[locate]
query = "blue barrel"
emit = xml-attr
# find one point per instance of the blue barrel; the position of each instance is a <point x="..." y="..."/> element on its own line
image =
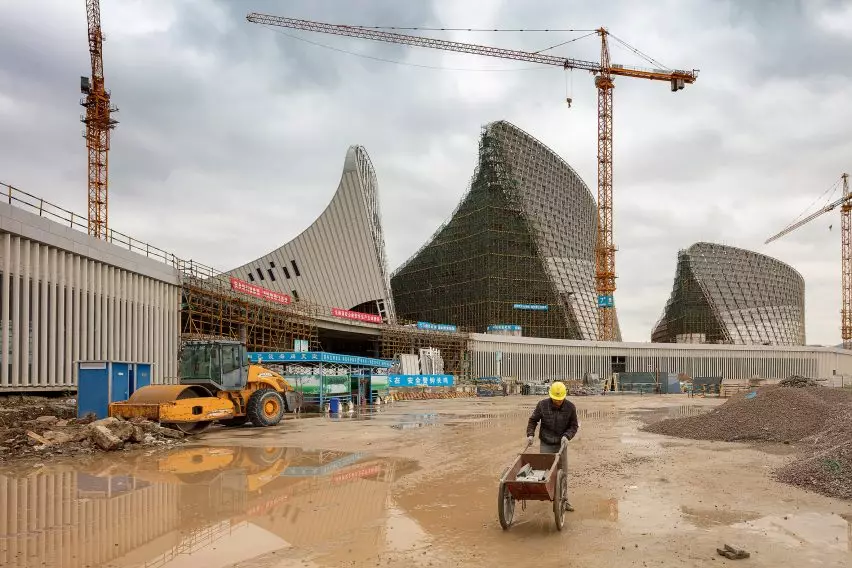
<point x="334" y="405"/>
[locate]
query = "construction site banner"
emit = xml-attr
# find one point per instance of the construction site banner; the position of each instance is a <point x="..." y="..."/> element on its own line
<point x="349" y="314"/>
<point x="421" y="380"/>
<point x="244" y="287"/>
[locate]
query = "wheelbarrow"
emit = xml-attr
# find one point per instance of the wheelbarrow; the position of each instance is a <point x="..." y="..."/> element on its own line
<point x="533" y="477"/>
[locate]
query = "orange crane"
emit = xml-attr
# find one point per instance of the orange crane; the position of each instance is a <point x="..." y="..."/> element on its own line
<point x="604" y="72"/>
<point x="845" y="203"/>
<point x="99" y="122"/>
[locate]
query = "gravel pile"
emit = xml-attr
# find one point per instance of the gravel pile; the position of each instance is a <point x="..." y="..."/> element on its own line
<point x="825" y="465"/>
<point x="773" y="414"/>
<point x="797" y="381"/>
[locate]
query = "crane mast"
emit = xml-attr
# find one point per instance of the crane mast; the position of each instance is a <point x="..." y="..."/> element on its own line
<point x="845" y="203"/>
<point x="99" y="122"/>
<point x="846" y="265"/>
<point x="604" y="244"/>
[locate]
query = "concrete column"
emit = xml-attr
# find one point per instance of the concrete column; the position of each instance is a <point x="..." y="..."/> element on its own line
<point x="36" y="308"/>
<point x="15" y="273"/>
<point x="77" y="278"/>
<point x="45" y="316"/>
<point x="95" y="321"/>
<point x="121" y="300"/>
<point x="61" y="322"/>
<point x="54" y="322"/>
<point x="68" y="329"/>
<point x="160" y="336"/>
<point x="26" y="257"/>
<point x="7" y="295"/>
<point x="133" y="314"/>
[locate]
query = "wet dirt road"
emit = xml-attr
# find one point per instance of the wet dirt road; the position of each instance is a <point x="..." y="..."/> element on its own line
<point x="415" y="484"/>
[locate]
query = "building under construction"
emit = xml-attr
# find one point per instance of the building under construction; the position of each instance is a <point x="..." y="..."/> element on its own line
<point x="519" y="250"/>
<point x="724" y="294"/>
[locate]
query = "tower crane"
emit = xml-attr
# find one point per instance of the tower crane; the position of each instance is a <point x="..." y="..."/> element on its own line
<point x="99" y="122"/>
<point x="845" y="203"/>
<point x="604" y="72"/>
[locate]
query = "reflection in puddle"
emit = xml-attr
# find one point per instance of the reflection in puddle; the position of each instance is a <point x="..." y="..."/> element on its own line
<point x="201" y="506"/>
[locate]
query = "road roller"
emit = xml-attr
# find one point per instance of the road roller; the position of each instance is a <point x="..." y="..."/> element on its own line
<point x="217" y="384"/>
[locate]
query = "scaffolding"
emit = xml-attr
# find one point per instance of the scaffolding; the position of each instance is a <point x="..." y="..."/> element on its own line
<point x="518" y="249"/>
<point x="724" y="294"/>
<point x="211" y="309"/>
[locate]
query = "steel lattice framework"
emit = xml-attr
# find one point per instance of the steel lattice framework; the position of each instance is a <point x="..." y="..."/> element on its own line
<point x="723" y="294"/>
<point x="524" y="233"/>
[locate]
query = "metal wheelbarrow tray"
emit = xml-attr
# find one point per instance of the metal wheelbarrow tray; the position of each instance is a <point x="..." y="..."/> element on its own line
<point x="513" y="489"/>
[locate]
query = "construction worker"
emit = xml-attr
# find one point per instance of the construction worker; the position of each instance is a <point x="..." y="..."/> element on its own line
<point x="558" y="418"/>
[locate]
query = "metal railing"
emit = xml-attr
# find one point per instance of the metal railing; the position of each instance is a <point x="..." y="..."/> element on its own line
<point x="29" y="202"/>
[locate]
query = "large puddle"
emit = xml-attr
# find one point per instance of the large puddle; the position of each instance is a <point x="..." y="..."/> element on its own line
<point x="207" y="507"/>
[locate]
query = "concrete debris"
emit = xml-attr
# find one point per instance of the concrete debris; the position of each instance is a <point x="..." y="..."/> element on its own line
<point x="104" y="438"/>
<point x="37" y="433"/>
<point x="732" y="553"/>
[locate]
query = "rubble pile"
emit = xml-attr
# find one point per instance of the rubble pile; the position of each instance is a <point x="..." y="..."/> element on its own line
<point x="797" y="381"/>
<point x="772" y="414"/>
<point x="825" y="464"/>
<point x="51" y="435"/>
<point x="17" y="409"/>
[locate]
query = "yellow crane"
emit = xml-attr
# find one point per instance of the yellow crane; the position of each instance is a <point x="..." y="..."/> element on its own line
<point x="845" y="203"/>
<point x="604" y="72"/>
<point x="99" y="122"/>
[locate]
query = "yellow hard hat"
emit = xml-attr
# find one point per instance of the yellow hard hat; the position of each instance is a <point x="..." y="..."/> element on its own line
<point x="558" y="391"/>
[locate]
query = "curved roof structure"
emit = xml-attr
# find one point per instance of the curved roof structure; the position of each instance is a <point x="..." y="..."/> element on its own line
<point x="518" y="250"/>
<point x="724" y="294"/>
<point x="339" y="261"/>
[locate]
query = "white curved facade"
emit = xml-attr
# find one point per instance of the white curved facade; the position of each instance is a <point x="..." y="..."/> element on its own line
<point x="339" y="261"/>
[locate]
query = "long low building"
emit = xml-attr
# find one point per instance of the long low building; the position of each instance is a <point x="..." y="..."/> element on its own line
<point x="537" y="359"/>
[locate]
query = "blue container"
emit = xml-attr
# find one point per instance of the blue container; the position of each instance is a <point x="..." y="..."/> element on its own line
<point x="102" y="382"/>
<point x="334" y="405"/>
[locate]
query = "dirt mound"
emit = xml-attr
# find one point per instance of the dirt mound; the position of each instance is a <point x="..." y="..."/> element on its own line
<point x="825" y="465"/>
<point x="773" y="413"/>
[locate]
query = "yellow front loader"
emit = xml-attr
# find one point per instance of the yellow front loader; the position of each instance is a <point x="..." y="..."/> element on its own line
<point x="217" y="384"/>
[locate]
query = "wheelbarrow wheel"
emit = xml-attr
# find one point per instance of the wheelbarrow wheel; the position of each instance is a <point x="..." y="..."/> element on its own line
<point x="561" y="494"/>
<point x="505" y="507"/>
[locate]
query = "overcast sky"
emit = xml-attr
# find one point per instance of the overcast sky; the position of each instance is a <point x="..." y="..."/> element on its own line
<point x="232" y="135"/>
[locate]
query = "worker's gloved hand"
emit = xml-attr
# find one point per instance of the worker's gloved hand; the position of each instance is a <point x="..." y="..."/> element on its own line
<point x="566" y="439"/>
<point x="529" y="440"/>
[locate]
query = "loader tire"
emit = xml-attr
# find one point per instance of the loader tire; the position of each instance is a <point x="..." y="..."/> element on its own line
<point x="265" y="407"/>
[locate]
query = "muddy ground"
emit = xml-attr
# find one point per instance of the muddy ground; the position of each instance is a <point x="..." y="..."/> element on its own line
<point x="415" y="484"/>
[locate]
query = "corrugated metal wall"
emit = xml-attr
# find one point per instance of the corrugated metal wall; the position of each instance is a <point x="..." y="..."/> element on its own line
<point x="58" y="307"/>
<point x="531" y="359"/>
<point x="44" y="521"/>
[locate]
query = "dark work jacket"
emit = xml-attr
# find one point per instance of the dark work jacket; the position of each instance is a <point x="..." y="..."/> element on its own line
<point x="555" y="422"/>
